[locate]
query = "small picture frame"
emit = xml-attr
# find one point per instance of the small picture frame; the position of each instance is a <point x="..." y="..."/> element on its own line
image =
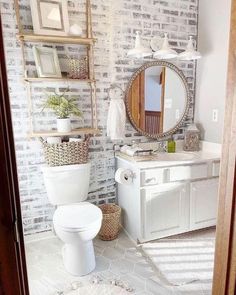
<point x="47" y="63"/>
<point x="50" y="17"/>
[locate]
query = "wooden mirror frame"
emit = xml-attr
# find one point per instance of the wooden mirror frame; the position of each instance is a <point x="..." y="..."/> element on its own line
<point x="187" y="98"/>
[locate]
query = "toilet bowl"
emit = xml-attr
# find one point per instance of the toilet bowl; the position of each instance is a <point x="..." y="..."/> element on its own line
<point x="75" y="221"/>
<point x="77" y="225"/>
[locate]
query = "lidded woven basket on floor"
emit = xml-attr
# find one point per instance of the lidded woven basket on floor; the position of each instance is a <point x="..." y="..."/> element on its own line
<point x="110" y="223"/>
<point x="66" y="153"/>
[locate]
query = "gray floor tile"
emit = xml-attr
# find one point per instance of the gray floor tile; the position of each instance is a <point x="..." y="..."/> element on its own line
<point x="117" y="260"/>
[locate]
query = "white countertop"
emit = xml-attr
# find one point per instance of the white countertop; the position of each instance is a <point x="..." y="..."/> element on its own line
<point x="208" y="152"/>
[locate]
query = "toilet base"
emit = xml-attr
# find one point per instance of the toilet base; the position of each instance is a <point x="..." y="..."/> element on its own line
<point x="79" y="259"/>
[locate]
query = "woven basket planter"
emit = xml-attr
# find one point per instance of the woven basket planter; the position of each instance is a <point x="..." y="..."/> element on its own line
<point x="110" y="223"/>
<point x="66" y="153"/>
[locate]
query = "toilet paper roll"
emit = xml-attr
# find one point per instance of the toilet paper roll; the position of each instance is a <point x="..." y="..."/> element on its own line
<point x="53" y="140"/>
<point x="124" y="176"/>
<point x="72" y="139"/>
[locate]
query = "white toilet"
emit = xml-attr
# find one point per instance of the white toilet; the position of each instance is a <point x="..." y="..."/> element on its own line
<point x="75" y="222"/>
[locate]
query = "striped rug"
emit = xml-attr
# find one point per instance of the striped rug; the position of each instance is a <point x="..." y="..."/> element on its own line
<point x="182" y="260"/>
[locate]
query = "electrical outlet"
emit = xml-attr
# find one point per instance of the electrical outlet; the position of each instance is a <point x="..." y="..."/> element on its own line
<point x="215" y="115"/>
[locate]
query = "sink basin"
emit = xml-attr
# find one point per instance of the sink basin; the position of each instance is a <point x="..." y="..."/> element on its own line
<point x="166" y="157"/>
<point x="181" y="156"/>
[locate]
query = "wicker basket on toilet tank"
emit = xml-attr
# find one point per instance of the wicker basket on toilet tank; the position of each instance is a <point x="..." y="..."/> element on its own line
<point x="110" y="222"/>
<point x="66" y="153"/>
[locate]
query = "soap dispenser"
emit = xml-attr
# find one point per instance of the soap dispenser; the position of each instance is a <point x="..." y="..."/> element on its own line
<point x="171" y="145"/>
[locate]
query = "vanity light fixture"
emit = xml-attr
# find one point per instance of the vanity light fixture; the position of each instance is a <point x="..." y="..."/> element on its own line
<point x="165" y="52"/>
<point x="190" y="53"/>
<point x="139" y="51"/>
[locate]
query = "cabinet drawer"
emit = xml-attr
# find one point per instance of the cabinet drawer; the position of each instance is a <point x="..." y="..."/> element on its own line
<point x="216" y="168"/>
<point x="188" y="172"/>
<point x="153" y="177"/>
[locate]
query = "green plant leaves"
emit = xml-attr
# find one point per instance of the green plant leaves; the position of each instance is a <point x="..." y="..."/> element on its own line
<point x="62" y="106"/>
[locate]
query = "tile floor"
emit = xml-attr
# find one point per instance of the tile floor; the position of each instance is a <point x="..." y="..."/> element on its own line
<point x="118" y="259"/>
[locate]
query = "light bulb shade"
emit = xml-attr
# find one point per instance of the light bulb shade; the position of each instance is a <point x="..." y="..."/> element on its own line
<point x="139" y="51"/>
<point x="190" y="53"/>
<point x="165" y="52"/>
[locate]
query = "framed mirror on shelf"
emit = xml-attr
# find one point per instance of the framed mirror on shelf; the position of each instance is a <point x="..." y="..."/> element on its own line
<point x="47" y="62"/>
<point x="157" y="99"/>
<point x="50" y="17"/>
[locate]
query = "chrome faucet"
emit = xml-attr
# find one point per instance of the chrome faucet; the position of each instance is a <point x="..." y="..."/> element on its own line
<point x="162" y="147"/>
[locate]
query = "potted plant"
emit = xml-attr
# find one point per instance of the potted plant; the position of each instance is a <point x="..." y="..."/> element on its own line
<point x="63" y="107"/>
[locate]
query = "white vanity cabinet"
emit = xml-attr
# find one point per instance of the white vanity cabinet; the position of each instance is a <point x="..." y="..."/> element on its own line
<point x="165" y="210"/>
<point x="168" y="200"/>
<point x="203" y="205"/>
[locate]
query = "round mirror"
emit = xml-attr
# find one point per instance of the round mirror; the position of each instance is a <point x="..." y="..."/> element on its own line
<point x="157" y="99"/>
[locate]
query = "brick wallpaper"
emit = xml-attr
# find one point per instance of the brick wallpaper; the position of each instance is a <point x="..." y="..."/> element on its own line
<point x="115" y="23"/>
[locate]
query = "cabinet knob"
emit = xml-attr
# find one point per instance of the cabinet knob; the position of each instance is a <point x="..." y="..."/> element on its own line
<point x="148" y="180"/>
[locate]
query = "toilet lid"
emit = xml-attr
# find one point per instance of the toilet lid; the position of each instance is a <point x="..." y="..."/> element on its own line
<point x="77" y="216"/>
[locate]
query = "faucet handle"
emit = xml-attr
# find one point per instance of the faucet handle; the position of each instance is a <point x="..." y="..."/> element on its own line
<point x="135" y="142"/>
<point x="162" y="146"/>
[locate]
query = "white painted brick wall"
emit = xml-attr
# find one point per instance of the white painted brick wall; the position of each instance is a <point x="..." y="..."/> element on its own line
<point x="115" y="23"/>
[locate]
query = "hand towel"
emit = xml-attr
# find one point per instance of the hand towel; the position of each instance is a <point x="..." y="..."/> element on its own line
<point x="130" y="151"/>
<point x="116" y="119"/>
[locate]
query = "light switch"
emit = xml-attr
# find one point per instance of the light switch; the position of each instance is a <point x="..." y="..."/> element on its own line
<point x="215" y="115"/>
<point x="168" y="103"/>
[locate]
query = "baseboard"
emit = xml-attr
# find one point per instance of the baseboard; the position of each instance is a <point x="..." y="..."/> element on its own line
<point x="39" y="236"/>
<point x="132" y="240"/>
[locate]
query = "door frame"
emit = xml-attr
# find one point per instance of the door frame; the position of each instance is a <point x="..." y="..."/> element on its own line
<point x="13" y="272"/>
<point x="224" y="280"/>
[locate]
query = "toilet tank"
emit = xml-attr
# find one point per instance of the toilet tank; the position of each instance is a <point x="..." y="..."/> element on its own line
<point x="67" y="184"/>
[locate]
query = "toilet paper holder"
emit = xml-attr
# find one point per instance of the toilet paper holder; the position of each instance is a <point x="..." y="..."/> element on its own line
<point x="124" y="176"/>
<point x="132" y="175"/>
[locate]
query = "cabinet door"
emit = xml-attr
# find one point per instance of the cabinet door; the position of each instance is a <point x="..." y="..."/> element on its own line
<point x="203" y="203"/>
<point x="165" y="210"/>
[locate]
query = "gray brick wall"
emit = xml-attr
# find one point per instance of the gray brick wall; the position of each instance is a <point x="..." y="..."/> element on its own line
<point x="115" y="23"/>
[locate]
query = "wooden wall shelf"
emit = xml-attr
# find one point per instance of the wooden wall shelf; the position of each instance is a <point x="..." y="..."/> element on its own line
<point x="88" y="41"/>
<point x="65" y="79"/>
<point x="52" y="133"/>
<point x="55" y="39"/>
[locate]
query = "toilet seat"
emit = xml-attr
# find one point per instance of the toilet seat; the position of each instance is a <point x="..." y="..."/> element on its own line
<point x="77" y="217"/>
